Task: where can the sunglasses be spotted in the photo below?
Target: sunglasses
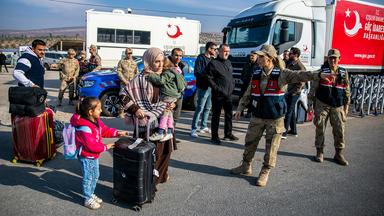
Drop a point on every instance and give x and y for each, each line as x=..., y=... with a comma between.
x=129, y=53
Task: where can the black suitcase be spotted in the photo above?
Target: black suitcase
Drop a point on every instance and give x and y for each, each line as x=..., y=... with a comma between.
x=26, y=101
x=134, y=172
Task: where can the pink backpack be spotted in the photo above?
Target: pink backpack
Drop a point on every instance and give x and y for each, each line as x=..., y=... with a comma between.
x=69, y=136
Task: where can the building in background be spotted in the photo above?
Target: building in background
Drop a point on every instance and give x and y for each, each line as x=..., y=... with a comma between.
x=114, y=31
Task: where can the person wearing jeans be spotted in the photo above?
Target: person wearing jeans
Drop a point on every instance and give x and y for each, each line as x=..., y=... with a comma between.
x=290, y=117
x=90, y=168
x=204, y=105
x=293, y=94
x=203, y=92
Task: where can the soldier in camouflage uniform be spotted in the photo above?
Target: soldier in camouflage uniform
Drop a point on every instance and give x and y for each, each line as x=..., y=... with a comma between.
x=126, y=70
x=83, y=63
x=94, y=63
x=332, y=98
x=266, y=91
x=68, y=75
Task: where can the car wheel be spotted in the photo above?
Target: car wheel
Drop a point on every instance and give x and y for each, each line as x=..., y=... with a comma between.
x=110, y=103
x=46, y=65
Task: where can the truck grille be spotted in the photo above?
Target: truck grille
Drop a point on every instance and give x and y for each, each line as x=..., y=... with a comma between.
x=237, y=64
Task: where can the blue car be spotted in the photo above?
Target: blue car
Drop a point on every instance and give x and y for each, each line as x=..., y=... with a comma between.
x=105, y=85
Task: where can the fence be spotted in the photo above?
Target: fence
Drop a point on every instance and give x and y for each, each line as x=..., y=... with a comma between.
x=367, y=94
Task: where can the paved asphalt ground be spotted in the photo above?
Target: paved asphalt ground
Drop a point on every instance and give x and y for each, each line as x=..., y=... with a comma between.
x=200, y=182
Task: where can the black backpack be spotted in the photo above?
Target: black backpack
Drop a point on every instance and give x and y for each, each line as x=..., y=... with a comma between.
x=27, y=101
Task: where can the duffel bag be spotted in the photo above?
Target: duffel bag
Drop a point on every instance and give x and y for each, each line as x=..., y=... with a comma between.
x=26, y=95
x=26, y=101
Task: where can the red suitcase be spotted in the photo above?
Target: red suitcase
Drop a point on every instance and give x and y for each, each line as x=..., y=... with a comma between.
x=33, y=137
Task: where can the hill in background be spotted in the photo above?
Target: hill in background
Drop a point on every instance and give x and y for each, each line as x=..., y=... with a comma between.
x=14, y=38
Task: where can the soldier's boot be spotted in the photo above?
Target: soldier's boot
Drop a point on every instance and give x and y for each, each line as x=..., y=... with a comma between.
x=263, y=177
x=244, y=169
x=339, y=157
x=61, y=95
x=319, y=155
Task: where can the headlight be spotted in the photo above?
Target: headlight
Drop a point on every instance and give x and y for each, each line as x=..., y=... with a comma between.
x=88, y=83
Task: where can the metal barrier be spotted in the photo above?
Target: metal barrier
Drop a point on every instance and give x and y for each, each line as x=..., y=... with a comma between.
x=367, y=94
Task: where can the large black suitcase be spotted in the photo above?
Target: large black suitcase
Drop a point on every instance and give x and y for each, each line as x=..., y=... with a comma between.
x=134, y=171
x=26, y=101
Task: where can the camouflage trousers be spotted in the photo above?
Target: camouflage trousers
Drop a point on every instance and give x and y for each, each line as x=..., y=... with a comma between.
x=63, y=86
x=337, y=118
x=274, y=129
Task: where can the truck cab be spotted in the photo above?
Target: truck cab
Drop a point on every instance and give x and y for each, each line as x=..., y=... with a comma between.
x=283, y=24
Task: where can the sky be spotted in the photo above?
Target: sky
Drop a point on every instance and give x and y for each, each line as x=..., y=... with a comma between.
x=37, y=14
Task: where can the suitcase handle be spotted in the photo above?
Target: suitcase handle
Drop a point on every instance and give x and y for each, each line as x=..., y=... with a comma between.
x=136, y=120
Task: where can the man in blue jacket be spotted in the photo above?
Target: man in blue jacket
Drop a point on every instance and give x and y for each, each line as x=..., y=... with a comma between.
x=29, y=70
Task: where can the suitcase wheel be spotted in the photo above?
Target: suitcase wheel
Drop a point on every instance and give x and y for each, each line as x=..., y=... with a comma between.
x=14, y=160
x=39, y=162
x=136, y=208
x=114, y=200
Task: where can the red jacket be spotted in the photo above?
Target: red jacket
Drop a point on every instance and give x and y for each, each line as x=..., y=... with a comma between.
x=89, y=136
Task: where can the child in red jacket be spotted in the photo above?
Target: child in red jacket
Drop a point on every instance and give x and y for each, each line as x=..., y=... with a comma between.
x=89, y=133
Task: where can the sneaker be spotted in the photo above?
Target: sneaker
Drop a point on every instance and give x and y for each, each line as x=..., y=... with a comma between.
x=96, y=198
x=216, y=141
x=156, y=137
x=292, y=134
x=194, y=133
x=168, y=136
x=92, y=204
x=231, y=137
x=284, y=135
x=205, y=130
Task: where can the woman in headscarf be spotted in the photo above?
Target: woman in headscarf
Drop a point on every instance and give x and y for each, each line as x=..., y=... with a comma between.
x=142, y=102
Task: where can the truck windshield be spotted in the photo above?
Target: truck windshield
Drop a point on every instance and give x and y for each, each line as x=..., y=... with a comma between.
x=249, y=36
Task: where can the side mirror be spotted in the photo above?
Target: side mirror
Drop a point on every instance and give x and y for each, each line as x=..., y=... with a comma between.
x=284, y=35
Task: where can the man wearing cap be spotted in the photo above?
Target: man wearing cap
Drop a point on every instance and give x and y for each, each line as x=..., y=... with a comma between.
x=332, y=98
x=126, y=70
x=83, y=64
x=68, y=75
x=94, y=63
x=268, y=85
x=246, y=76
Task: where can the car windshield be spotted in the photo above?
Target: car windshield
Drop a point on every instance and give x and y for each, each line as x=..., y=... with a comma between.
x=250, y=35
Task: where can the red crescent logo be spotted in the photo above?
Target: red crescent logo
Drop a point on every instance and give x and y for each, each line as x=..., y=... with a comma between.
x=176, y=34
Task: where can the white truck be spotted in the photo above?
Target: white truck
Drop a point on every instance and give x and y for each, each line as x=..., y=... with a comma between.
x=114, y=31
x=356, y=28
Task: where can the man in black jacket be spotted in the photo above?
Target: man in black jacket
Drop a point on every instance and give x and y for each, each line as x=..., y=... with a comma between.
x=219, y=76
x=3, y=59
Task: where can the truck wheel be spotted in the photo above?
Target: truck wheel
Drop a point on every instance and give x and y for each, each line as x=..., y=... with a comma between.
x=110, y=103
